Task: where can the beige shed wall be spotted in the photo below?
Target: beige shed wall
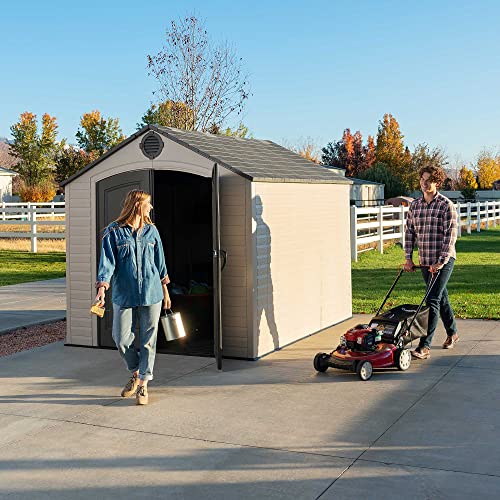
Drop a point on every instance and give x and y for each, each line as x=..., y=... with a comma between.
x=302, y=264
x=81, y=240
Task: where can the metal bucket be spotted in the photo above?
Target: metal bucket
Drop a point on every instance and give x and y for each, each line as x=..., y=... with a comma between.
x=172, y=325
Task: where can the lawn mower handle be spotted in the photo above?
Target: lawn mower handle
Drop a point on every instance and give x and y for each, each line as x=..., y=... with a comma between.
x=401, y=271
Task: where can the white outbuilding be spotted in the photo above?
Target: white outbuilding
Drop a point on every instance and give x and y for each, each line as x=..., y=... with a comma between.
x=6, y=177
x=256, y=239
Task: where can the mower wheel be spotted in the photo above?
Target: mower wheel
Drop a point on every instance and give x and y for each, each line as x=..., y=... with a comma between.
x=402, y=359
x=364, y=370
x=321, y=362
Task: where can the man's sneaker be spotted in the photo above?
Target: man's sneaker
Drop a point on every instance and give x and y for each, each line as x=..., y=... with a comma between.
x=130, y=387
x=421, y=353
x=450, y=341
x=141, y=396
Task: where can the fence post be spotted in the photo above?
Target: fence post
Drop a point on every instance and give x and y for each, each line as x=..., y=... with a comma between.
x=354, y=234
x=380, y=219
x=402, y=226
x=478, y=216
x=487, y=206
x=33, y=230
x=52, y=206
x=469, y=225
x=459, y=217
x=495, y=204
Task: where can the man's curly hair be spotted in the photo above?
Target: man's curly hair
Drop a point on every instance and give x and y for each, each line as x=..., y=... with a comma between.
x=437, y=174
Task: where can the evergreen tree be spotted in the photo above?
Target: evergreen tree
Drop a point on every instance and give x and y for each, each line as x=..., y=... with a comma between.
x=380, y=173
x=467, y=183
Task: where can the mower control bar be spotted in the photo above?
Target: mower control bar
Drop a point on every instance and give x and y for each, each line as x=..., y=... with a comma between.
x=401, y=271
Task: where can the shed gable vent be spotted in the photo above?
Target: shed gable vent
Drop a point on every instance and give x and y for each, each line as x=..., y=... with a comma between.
x=151, y=145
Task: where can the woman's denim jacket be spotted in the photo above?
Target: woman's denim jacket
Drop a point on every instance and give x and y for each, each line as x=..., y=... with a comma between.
x=133, y=263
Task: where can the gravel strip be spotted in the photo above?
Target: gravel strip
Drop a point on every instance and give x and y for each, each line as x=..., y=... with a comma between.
x=31, y=336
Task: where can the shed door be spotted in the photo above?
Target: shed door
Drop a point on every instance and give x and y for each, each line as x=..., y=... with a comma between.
x=217, y=266
x=110, y=194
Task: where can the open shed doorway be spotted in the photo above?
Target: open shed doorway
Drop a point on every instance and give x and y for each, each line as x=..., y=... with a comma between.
x=183, y=215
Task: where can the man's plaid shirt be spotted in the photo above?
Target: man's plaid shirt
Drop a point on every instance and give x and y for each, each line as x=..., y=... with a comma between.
x=433, y=227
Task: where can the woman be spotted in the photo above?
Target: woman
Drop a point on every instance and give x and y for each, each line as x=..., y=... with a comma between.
x=133, y=262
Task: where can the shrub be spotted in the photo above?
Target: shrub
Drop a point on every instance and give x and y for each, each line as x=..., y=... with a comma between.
x=41, y=192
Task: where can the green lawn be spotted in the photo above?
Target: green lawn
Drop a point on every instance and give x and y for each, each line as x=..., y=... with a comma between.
x=20, y=267
x=474, y=286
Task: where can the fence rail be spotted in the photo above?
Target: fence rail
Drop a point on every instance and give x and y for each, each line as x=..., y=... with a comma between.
x=371, y=225
x=27, y=214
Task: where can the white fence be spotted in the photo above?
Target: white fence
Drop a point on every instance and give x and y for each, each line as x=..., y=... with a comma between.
x=371, y=225
x=28, y=214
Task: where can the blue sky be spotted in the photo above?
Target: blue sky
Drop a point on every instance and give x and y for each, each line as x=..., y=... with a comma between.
x=315, y=67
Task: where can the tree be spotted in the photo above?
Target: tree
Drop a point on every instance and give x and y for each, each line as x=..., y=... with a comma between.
x=35, y=151
x=191, y=69
x=167, y=114
x=98, y=134
x=350, y=153
x=380, y=173
x=423, y=156
x=309, y=152
x=306, y=148
x=69, y=160
x=488, y=169
x=241, y=132
x=467, y=183
x=370, y=154
x=390, y=148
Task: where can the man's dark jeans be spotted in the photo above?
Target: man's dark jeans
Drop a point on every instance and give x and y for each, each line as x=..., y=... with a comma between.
x=439, y=303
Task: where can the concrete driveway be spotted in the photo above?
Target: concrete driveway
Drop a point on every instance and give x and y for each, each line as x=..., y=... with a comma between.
x=268, y=429
x=32, y=303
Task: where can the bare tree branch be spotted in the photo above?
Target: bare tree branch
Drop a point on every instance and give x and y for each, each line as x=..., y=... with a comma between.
x=192, y=70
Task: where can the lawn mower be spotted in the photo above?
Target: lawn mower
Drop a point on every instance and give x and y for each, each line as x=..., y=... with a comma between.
x=380, y=343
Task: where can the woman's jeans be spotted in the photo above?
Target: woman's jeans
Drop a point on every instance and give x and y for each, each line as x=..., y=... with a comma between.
x=124, y=319
x=439, y=303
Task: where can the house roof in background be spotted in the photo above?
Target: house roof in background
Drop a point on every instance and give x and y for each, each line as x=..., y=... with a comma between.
x=6, y=159
x=6, y=171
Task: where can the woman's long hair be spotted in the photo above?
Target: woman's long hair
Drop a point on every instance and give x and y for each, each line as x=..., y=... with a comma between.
x=132, y=206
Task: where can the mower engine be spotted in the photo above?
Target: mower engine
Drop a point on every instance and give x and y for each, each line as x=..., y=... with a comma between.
x=360, y=338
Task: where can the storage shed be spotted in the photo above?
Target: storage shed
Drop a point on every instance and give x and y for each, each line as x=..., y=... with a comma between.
x=256, y=239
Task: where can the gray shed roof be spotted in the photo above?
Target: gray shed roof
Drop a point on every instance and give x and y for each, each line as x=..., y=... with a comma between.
x=256, y=160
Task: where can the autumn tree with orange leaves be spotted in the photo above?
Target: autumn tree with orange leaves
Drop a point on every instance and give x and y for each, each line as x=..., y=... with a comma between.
x=350, y=153
x=98, y=134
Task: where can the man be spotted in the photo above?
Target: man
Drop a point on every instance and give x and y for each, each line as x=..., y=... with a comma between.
x=432, y=225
